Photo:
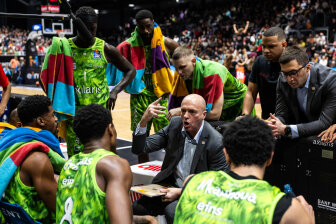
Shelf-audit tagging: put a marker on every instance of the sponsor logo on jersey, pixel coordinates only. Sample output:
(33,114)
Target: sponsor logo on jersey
(87,89)
(96,54)
(208,188)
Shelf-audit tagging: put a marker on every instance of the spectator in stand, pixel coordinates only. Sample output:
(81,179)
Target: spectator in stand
(14,62)
(316,58)
(258,44)
(332,64)
(323,59)
(240,34)
(8,72)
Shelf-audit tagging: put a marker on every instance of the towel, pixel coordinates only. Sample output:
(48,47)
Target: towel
(133,50)
(5,127)
(208,81)
(57,78)
(15,146)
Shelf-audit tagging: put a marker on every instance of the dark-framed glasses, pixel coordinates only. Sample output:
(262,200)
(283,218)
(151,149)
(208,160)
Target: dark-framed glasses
(292,73)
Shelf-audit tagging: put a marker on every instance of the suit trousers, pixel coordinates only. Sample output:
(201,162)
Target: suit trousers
(154,206)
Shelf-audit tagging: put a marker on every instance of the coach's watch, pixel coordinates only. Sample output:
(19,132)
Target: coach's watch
(288,131)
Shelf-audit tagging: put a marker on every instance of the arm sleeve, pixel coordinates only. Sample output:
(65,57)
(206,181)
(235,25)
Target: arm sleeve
(3,78)
(143,144)
(139,130)
(327,115)
(295,133)
(281,108)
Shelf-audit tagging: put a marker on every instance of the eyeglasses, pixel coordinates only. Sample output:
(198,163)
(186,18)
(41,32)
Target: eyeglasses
(292,73)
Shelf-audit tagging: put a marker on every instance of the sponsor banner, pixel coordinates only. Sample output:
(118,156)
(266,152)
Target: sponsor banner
(51,6)
(32,75)
(319,142)
(44,8)
(54,8)
(147,169)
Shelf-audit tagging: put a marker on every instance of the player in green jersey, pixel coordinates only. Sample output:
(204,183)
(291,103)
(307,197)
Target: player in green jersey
(110,53)
(94,185)
(241,196)
(140,102)
(33,185)
(90,58)
(223,93)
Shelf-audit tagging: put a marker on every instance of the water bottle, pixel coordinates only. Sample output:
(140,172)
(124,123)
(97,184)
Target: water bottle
(288,190)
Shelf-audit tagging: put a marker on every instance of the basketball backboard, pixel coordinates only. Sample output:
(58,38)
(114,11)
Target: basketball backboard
(57,26)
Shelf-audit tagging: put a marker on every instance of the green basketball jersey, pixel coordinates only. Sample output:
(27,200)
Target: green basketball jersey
(28,199)
(89,66)
(215,197)
(90,84)
(234,94)
(79,198)
(233,90)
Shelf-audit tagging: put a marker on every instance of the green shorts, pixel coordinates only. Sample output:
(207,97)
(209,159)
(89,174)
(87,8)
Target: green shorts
(139,104)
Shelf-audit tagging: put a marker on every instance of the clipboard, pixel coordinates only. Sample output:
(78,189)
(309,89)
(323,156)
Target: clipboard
(151,190)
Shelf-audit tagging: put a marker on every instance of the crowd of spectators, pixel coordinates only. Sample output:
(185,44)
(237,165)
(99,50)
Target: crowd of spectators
(231,33)
(13,42)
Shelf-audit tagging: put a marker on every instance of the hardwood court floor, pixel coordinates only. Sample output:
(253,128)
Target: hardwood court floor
(121,113)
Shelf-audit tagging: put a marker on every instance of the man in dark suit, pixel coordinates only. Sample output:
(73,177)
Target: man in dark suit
(306,96)
(192,146)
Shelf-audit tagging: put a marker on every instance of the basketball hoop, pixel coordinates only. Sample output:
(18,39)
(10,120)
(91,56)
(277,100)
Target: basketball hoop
(59,27)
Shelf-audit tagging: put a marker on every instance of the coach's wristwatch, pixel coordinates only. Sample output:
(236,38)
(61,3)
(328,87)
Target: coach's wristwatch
(288,131)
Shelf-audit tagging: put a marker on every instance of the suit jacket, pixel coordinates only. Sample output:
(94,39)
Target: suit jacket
(321,102)
(208,155)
